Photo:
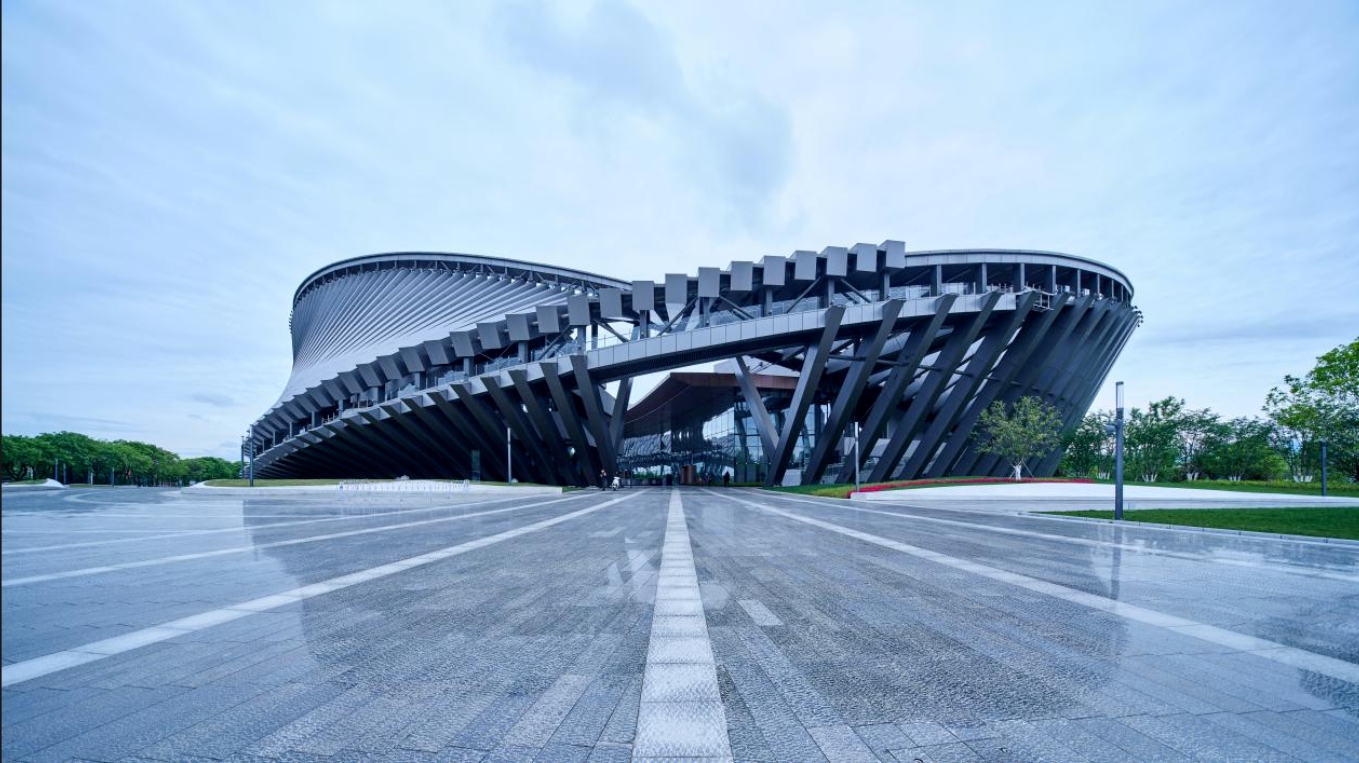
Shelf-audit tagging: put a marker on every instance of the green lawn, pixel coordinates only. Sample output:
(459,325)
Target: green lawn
(843,491)
(1287,487)
(1339,522)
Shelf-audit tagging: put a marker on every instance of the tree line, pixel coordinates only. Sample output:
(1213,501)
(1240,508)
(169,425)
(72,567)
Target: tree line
(75,458)
(1169,441)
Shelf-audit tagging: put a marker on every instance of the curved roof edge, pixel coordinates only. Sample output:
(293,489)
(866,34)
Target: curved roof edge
(466,259)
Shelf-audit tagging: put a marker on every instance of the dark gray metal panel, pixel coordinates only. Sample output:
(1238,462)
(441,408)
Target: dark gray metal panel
(847,399)
(370,375)
(410,357)
(865,258)
(578,309)
(742,276)
(676,289)
(611,303)
(804,265)
(837,261)
(462,344)
(438,352)
(813,365)
(549,319)
(520,326)
(775,269)
(491,336)
(643,295)
(620,410)
(709,282)
(894,254)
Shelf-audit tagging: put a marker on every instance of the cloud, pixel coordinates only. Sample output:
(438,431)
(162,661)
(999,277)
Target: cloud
(736,145)
(213,399)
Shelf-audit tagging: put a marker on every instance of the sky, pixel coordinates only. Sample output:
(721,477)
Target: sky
(173,170)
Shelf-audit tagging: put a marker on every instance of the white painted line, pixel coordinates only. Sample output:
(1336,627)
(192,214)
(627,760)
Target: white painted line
(87,544)
(1270,650)
(759,613)
(51,663)
(681,714)
(86,571)
(1316,573)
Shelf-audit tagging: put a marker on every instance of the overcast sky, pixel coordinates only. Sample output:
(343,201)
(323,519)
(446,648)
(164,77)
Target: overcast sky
(172,171)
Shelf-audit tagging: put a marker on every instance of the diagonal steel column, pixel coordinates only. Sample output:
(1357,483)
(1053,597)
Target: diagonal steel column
(546,428)
(1001,380)
(916,348)
(493,430)
(813,365)
(620,411)
(566,408)
(1057,350)
(764,426)
(981,365)
(446,437)
(474,439)
(418,460)
(352,434)
(542,467)
(935,380)
(847,399)
(594,413)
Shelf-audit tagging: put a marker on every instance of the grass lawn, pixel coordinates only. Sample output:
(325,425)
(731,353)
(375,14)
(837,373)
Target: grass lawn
(843,491)
(1334,488)
(1339,522)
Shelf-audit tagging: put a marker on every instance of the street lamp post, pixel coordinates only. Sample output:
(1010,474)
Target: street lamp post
(250,468)
(509,456)
(1323,468)
(1118,451)
(856,457)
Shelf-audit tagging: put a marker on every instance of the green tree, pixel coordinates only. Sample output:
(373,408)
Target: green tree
(1089,447)
(1030,429)
(1152,439)
(21,457)
(1242,451)
(1321,406)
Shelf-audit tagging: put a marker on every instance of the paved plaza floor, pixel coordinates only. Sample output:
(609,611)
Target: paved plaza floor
(151,625)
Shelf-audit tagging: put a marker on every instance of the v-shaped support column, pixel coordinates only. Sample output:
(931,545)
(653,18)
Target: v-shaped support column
(813,365)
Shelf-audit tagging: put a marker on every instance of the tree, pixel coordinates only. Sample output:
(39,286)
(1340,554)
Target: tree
(1153,439)
(1194,429)
(1030,429)
(1090,446)
(1322,406)
(21,456)
(1242,451)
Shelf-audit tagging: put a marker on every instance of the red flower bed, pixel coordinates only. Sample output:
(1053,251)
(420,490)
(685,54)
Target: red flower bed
(972,481)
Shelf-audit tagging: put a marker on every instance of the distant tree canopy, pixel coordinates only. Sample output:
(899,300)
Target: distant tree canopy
(85,459)
(1169,441)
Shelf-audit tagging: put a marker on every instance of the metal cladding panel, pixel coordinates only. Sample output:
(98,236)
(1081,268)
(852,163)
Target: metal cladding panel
(804,265)
(369,374)
(837,261)
(520,326)
(865,258)
(611,303)
(643,295)
(742,276)
(894,254)
(578,310)
(411,357)
(709,282)
(437,351)
(491,336)
(549,319)
(676,289)
(388,366)
(775,269)
(462,344)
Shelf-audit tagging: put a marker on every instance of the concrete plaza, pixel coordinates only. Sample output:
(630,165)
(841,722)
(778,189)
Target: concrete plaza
(152,625)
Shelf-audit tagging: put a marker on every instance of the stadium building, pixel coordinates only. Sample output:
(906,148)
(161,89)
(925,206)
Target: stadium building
(428,365)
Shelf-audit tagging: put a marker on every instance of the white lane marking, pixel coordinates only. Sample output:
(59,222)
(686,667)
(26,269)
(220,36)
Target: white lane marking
(681,714)
(84,571)
(1270,650)
(50,663)
(1317,573)
(272,524)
